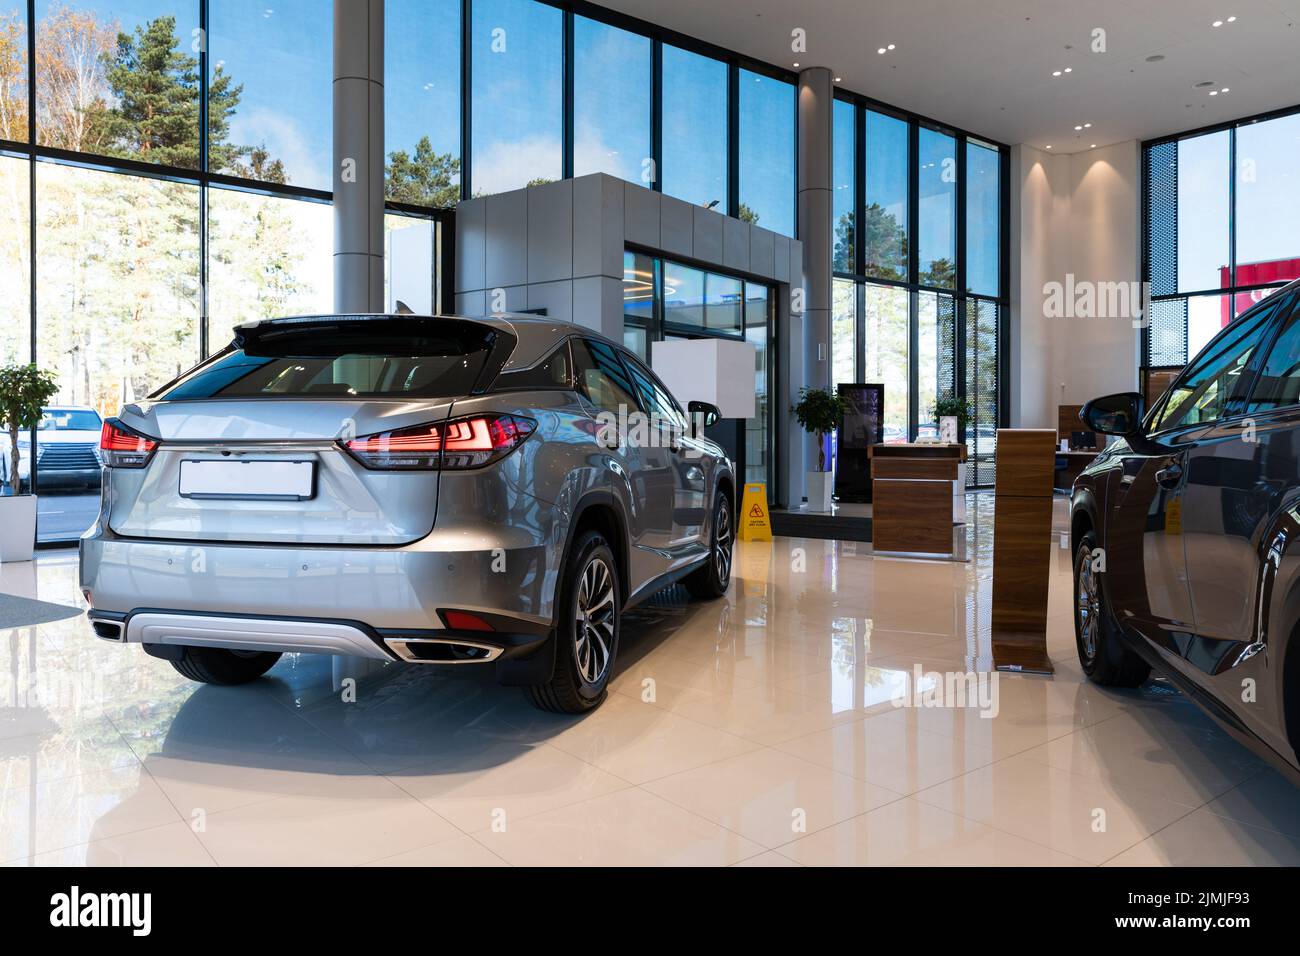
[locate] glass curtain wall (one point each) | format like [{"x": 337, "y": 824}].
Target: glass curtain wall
[
  {"x": 1218, "y": 236},
  {"x": 919, "y": 253},
  {"x": 667, "y": 300},
  {"x": 151, "y": 247}
]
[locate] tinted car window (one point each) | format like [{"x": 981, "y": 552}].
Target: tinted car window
[
  {"x": 550, "y": 372},
  {"x": 601, "y": 377},
  {"x": 1202, "y": 393},
  {"x": 345, "y": 358},
  {"x": 1278, "y": 383},
  {"x": 654, "y": 397}
]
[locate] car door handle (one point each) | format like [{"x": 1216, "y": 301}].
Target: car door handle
[{"x": 1169, "y": 477}]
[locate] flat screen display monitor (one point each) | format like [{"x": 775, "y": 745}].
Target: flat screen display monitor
[{"x": 862, "y": 426}]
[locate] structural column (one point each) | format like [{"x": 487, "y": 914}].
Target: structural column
[
  {"x": 359, "y": 155},
  {"x": 816, "y": 109}
]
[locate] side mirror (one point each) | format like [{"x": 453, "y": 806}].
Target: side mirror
[
  {"x": 703, "y": 414},
  {"x": 1119, "y": 414}
]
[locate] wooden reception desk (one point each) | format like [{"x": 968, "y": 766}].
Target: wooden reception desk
[{"x": 911, "y": 491}]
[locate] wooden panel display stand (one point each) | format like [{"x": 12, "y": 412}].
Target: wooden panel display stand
[
  {"x": 911, "y": 510},
  {"x": 1022, "y": 529}
]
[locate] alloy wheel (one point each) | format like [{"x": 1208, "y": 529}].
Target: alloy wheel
[
  {"x": 722, "y": 544},
  {"x": 593, "y": 633},
  {"x": 1087, "y": 602}
]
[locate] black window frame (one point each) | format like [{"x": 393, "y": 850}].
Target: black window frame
[{"x": 1145, "y": 364}]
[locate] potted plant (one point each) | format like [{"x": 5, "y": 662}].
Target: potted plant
[
  {"x": 818, "y": 412},
  {"x": 24, "y": 391},
  {"x": 957, "y": 408}
]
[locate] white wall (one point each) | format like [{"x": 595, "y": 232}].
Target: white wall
[{"x": 1071, "y": 215}]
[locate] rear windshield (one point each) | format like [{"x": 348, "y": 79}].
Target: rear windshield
[
  {"x": 412, "y": 358},
  {"x": 69, "y": 419}
]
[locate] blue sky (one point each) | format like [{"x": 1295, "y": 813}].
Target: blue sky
[{"x": 279, "y": 50}]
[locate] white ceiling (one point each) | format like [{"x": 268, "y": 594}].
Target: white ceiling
[{"x": 986, "y": 65}]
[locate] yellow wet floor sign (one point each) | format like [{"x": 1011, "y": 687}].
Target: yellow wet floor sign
[{"x": 755, "y": 525}]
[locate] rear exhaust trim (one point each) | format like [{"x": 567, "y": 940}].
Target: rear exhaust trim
[
  {"x": 442, "y": 650},
  {"x": 108, "y": 630}
]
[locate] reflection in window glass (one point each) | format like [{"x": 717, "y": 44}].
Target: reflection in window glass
[
  {"x": 422, "y": 102},
  {"x": 410, "y": 272},
  {"x": 983, "y": 219},
  {"x": 611, "y": 101},
  {"x": 1202, "y": 392},
  {"x": 757, "y": 443},
  {"x": 267, "y": 256},
  {"x": 15, "y": 261},
  {"x": 884, "y": 228},
  {"x": 844, "y": 332},
  {"x": 694, "y": 128},
  {"x": 886, "y": 352},
  {"x": 936, "y": 209},
  {"x": 683, "y": 295},
  {"x": 13, "y": 73},
  {"x": 722, "y": 303},
  {"x": 1268, "y": 201},
  {"x": 767, "y": 121},
  {"x": 136, "y": 98},
  {"x": 277, "y": 60},
  {"x": 843, "y": 197},
  {"x": 639, "y": 287},
  {"x": 517, "y": 102}
]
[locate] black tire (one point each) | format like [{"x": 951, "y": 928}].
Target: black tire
[
  {"x": 1103, "y": 655},
  {"x": 216, "y": 665},
  {"x": 580, "y": 679},
  {"x": 712, "y": 578}
]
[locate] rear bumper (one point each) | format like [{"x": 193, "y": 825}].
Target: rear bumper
[
  {"x": 160, "y": 629},
  {"x": 377, "y": 589}
]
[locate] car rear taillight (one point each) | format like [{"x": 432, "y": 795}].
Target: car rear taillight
[
  {"x": 460, "y": 443},
  {"x": 122, "y": 447}
]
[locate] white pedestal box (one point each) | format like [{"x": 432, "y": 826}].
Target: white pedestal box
[
  {"x": 717, "y": 371},
  {"x": 17, "y": 527},
  {"x": 819, "y": 490}
]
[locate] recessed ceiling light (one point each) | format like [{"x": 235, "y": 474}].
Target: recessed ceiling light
[
  {"x": 881, "y": 50},
  {"x": 1087, "y": 126},
  {"x": 796, "y": 64},
  {"x": 1217, "y": 23},
  {"x": 1093, "y": 146},
  {"x": 891, "y": 46},
  {"x": 1049, "y": 146},
  {"x": 1224, "y": 90},
  {"x": 1214, "y": 92},
  {"x": 1056, "y": 73},
  {"x": 837, "y": 79},
  {"x": 1069, "y": 69},
  {"x": 1232, "y": 19},
  {"x": 1077, "y": 128}
]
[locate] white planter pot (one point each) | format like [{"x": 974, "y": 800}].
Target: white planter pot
[
  {"x": 819, "y": 490},
  {"x": 17, "y": 527}
]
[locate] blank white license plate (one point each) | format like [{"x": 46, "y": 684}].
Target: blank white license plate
[{"x": 282, "y": 480}]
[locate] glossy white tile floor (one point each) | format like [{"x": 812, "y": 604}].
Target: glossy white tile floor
[{"x": 758, "y": 730}]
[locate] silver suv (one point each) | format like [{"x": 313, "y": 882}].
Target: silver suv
[{"x": 433, "y": 490}]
